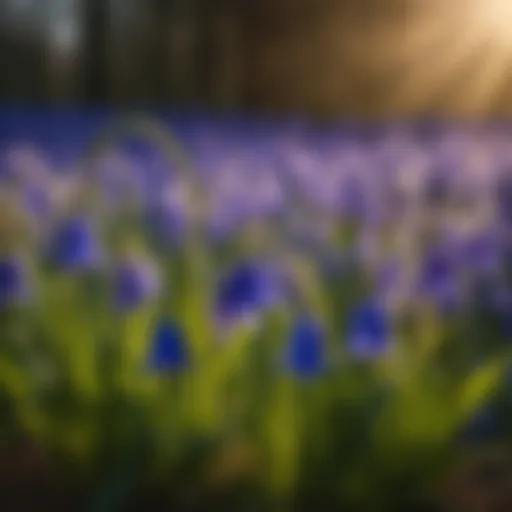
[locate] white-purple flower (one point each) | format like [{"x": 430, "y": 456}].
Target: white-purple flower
[
  {"x": 74, "y": 245},
  {"x": 135, "y": 282}
]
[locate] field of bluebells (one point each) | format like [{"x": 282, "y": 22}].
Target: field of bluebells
[{"x": 252, "y": 316}]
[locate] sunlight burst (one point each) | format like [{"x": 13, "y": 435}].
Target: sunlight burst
[{"x": 494, "y": 17}]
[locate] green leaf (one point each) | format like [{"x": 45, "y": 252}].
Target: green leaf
[
  {"x": 282, "y": 437},
  {"x": 480, "y": 386},
  {"x": 73, "y": 334},
  {"x": 14, "y": 380},
  {"x": 308, "y": 282},
  {"x": 135, "y": 338}
]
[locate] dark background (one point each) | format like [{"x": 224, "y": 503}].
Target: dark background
[{"x": 381, "y": 58}]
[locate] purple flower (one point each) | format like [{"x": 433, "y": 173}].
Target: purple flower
[
  {"x": 369, "y": 331},
  {"x": 482, "y": 253},
  {"x": 37, "y": 201},
  {"x": 437, "y": 186},
  {"x": 246, "y": 289},
  {"x": 121, "y": 184},
  {"x": 169, "y": 212},
  {"x": 135, "y": 282},
  {"x": 438, "y": 280},
  {"x": 305, "y": 355},
  {"x": 169, "y": 351},
  {"x": 503, "y": 196},
  {"x": 13, "y": 282},
  {"x": 353, "y": 198},
  {"x": 74, "y": 245},
  {"x": 388, "y": 277},
  {"x": 164, "y": 225}
]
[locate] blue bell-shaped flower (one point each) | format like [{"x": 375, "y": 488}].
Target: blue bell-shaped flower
[
  {"x": 13, "y": 282},
  {"x": 246, "y": 289},
  {"x": 438, "y": 280},
  {"x": 37, "y": 200},
  {"x": 169, "y": 212},
  {"x": 482, "y": 253},
  {"x": 135, "y": 282},
  {"x": 369, "y": 331},
  {"x": 169, "y": 352},
  {"x": 74, "y": 245},
  {"x": 305, "y": 355}
]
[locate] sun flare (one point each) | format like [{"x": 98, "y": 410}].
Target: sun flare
[{"x": 494, "y": 16}]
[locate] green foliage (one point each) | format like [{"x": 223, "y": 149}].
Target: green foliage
[
  {"x": 366, "y": 434},
  {"x": 79, "y": 386}
]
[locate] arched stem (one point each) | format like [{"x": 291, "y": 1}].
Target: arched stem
[{"x": 164, "y": 140}]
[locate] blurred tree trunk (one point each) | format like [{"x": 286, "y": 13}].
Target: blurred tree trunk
[
  {"x": 128, "y": 26},
  {"x": 224, "y": 56},
  {"x": 153, "y": 51},
  {"x": 373, "y": 58},
  {"x": 64, "y": 46},
  {"x": 179, "y": 59},
  {"x": 22, "y": 75},
  {"x": 96, "y": 39}
]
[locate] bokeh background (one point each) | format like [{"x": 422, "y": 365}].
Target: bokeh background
[
  {"x": 211, "y": 300},
  {"x": 326, "y": 57}
]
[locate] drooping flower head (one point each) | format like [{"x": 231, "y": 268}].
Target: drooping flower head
[
  {"x": 135, "y": 282},
  {"x": 38, "y": 201},
  {"x": 170, "y": 211},
  {"x": 305, "y": 354},
  {"x": 247, "y": 289},
  {"x": 13, "y": 281},
  {"x": 481, "y": 253},
  {"x": 369, "y": 331},
  {"x": 168, "y": 350},
  {"x": 438, "y": 280},
  {"x": 74, "y": 245}
]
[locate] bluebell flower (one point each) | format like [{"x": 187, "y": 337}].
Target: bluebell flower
[
  {"x": 438, "y": 280},
  {"x": 168, "y": 213},
  {"x": 369, "y": 331},
  {"x": 246, "y": 289},
  {"x": 38, "y": 201},
  {"x": 74, "y": 245},
  {"x": 503, "y": 196},
  {"x": 353, "y": 198},
  {"x": 169, "y": 351},
  {"x": 135, "y": 282},
  {"x": 13, "y": 282},
  {"x": 305, "y": 354},
  {"x": 482, "y": 253}
]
